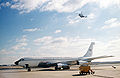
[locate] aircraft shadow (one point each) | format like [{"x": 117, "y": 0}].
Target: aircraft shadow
[
  {"x": 98, "y": 69},
  {"x": 79, "y": 75},
  {"x": 56, "y": 70},
  {"x": 102, "y": 76},
  {"x": 46, "y": 70}
]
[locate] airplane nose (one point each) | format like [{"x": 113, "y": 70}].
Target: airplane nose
[{"x": 16, "y": 62}]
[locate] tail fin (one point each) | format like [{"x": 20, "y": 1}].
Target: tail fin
[{"x": 90, "y": 50}]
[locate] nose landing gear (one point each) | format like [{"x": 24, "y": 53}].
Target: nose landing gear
[{"x": 27, "y": 67}]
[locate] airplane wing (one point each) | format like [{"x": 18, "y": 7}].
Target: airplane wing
[{"x": 89, "y": 59}]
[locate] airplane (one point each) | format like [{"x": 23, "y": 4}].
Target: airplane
[
  {"x": 58, "y": 62},
  {"x": 82, "y": 16}
]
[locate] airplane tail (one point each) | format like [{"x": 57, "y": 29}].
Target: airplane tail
[{"x": 90, "y": 50}]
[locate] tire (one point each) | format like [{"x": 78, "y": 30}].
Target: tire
[
  {"x": 56, "y": 68},
  {"x": 89, "y": 73},
  {"x": 29, "y": 69}
]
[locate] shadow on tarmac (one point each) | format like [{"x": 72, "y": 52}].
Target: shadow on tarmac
[
  {"x": 79, "y": 75},
  {"x": 46, "y": 70},
  {"x": 102, "y": 76},
  {"x": 93, "y": 75},
  {"x": 56, "y": 70}
]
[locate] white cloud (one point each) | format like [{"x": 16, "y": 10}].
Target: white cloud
[
  {"x": 76, "y": 47},
  {"x": 23, "y": 39},
  {"x": 57, "y": 5},
  {"x": 19, "y": 46},
  {"x": 58, "y": 31},
  {"x": 8, "y": 60},
  {"x": 89, "y": 27},
  {"x": 21, "y": 43},
  {"x": 6, "y": 4},
  {"x": 112, "y": 23},
  {"x": 32, "y": 29},
  {"x": 61, "y": 46},
  {"x": 107, "y": 3},
  {"x": 4, "y": 51},
  {"x": 109, "y": 48},
  {"x": 72, "y": 20},
  {"x": 25, "y": 6},
  {"x": 68, "y": 46},
  {"x": 112, "y": 20},
  {"x": 91, "y": 16},
  {"x": 45, "y": 39}
]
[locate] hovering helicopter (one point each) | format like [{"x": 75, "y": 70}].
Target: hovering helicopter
[{"x": 82, "y": 16}]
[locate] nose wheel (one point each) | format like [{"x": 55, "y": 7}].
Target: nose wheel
[{"x": 27, "y": 67}]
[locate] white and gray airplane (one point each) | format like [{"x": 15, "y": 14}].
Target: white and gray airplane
[{"x": 58, "y": 62}]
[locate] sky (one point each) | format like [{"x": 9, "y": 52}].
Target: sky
[{"x": 52, "y": 28}]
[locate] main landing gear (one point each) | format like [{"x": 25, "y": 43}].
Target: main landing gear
[{"x": 62, "y": 67}]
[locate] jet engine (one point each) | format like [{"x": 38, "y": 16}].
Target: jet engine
[
  {"x": 62, "y": 66},
  {"x": 84, "y": 62}
]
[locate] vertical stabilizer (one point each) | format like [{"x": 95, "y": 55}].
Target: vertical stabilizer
[{"x": 90, "y": 50}]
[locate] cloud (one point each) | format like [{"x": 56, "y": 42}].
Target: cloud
[
  {"x": 43, "y": 40},
  {"x": 75, "y": 47},
  {"x": 49, "y": 46},
  {"x": 21, "y": 43},
  {"x": 61, "y": 46},
  {"x": 23, "y": 39},
  {"x": 112, "y": 20},
  {"x": 6, "y": 4},
  {"x": 46, "y": 40},
  {"x": 89, "y": 27},
  {"x": 7, "y": 60},
  {"x": 25, "y": 6},
  {"x": 58, "y": 31},
  {"x": 19, "y": 46},
  {"x": 108, "y": 48},
  {"x": 111, "y": 23},
  {"x": 4, "y": 51},
  {"x": 32, "y": 29},
  {"x": 107, "y": 3},
  {"x": 72, "y": 20},
  {"x": 91, "y": 16}
]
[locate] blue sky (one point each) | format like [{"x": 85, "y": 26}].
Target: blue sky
[{"x": 47, "y": 28}]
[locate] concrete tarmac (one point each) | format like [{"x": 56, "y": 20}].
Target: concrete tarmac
[{"x": 100, "y": 72}]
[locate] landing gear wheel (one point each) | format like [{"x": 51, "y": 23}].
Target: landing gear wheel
[
  {"x": 29, "y": 69},
  {"x": 56, "y": 67},
  {"x": 89, "y": 73}
]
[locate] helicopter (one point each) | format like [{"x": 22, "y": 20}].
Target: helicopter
[{"x": 82, "y": 16}]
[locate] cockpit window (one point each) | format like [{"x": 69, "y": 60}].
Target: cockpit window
[{"x": 21, "y": 59}]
